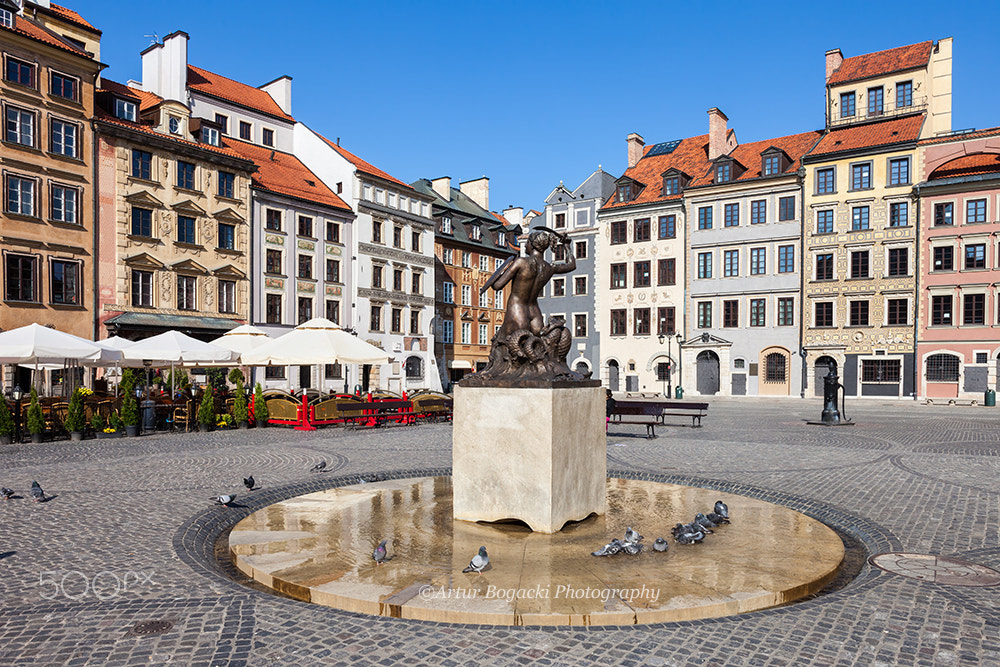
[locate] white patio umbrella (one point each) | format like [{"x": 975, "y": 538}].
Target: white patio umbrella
[
  {"x": 174, "y": 348},
  {"x": 115, "y": 343},
  {"x": 243, "y": 339},
  {"x": 318, "y": 341},
  {"x": 41, "y": 347}
]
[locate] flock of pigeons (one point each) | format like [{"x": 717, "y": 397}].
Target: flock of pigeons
[
  {"x": 689, "y": 533},
  {"x": 36, "y": 493}
]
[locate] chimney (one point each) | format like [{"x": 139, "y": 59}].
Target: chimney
[
  {"x": 833, "y": 59},
  {"x": 514, "y": 215},
  {"x": 635, "y": 145},
  {"x": 280, "y": 91},
  {"x": 164, "y": 67},
  {"x": 717, "y": 131},
  {"x": 478, "y": 191},
  {"x": 442, "y": 186}
]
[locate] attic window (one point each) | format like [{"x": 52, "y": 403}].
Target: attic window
[
  {"x": 772, "y": 165},
  {"x": 209, "y": 135},
  {"x": 723, "y": 172},
  {"x": 475, "y": 233},
  {"x": 625, "y": 192},
  {"x": 124, "y": 109},
  {"x": 6, "y": 18},
  {"x": 446, "y": 225},
  {"x": 671, "y": 185}
]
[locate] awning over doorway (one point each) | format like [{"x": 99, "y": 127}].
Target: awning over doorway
[{"x": 154, "y": 323}]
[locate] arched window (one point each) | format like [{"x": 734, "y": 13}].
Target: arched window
[
  {"x": 942, "y": 368},
  {"x": 775, "y": 367}
]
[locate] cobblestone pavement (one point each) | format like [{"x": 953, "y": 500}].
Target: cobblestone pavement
[{"x": 128, "y": 538}]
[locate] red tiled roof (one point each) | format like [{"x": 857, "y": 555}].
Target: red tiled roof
[
  {"x": 881, "y": 63},
  {"x": 967, "y": 165},
  {"x": 869, "y": 135},
  {"x": 749, "y": 155},
  {"x": 690, "y": 157},
  {"x": 146, "y": 99},
  {"x": 284, "y": 174},
  {"x": 219, "y": 86},
  {"x": 72, "y": 17},
  {"x": 961, "y": 136},
  {"x": 363, "y": 166},
  {"x": 29, "y": 28}
]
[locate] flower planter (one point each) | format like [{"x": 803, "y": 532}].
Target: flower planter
[
  {"x": 36, "y": 438},
  {"x": 76, "y": 436},
  {"x": 132, "y": 431},
  {"x": 244, "y": 426}
]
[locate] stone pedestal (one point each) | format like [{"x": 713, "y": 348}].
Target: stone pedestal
[{"x": 537, "y": 454}]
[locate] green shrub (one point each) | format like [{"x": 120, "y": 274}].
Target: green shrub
[
  {"x": 130, "y": 405},
  {"x": 75, "y": 417},
  {"x": 217, "y": 378},
  {"x": 6, "y": 419},
  {"x": 115, "y": 422},
  {"x": 260, "y": 414},
  {"x": 240, "y": 412},
  {"x": 206, "y": 412},
  {"x": 36, "y": 420},
  {"x": 97, "y": 422},
  {"x": 179, "y": 378},
  {"x": 236, "y": 376}
]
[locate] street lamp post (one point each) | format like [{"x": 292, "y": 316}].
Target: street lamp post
[
  {"x": 16, "y": 394},
  {"x": 680, "y": 365}
]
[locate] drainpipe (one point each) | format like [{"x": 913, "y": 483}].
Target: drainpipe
[
  {"x": 95, "y": 255},
  {"x": 916, "y": 296},
  {"x": 802, "y": 281}
]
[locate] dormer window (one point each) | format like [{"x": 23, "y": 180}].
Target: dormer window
[
  {"x": 625, "y": 192},
  {"x": 723, "y": 172},
  {"x": 772, "y": 165},
  {"x": 475, "y": 233},
  {"x": 671, "y": 185},
  {"x": 6, "y": 18},
  {"x": 446, "y": 225},
  {"x": 209, "y": 135},
  {"x": 125, "y": 109}
]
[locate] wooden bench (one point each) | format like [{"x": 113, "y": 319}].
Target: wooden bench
[
  {"x": 376, "y": 413},
  {"x": 650, "y": 413},
  {"x": 685, "y": 409},
  {"x": 432, "y": 406}
]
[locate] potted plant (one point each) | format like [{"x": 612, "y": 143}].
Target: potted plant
[
  {"x": 75, "y": 418},
  {"x": 260, "y": 414},
  {"x": 97, "y": 423},
  {"x": 36, "y": 420},
  {"x": 6, "y": 423},
  {"x": 240, "y": 413},
  {"x": 115, "y": 426},
  {"x": 223, "y": 421},
  {"x": 206, "y": 412}
]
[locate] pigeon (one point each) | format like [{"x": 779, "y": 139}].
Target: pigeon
[
  {"x": 6, "y": 493},
  {"x": 677, "y": 530},
  {"x": 691, "y": 537},
  {"x": 717, "y": 518},
  {"x": 380, "y": 554},
  {"x": 36, "y": 493},
  {"x": 703, "y": 521},
  {"x": 319, "y": 467},
  {"x": 721, "y": 509},
  {"x": 631, "y": 548},
  {"x": 249, "y": 482},
  {"x": 632, "y": 536},
  {"x": 224, "y": 500},
  {"x": 609, "y": 549},
  {"x": 660, "y": 544},
  {"x": 478, "y": 562}
]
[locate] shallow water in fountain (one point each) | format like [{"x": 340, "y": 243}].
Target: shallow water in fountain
[{"x": 318, "y": 547}]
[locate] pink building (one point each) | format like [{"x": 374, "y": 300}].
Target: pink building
[{"x": 958, "y": 327}]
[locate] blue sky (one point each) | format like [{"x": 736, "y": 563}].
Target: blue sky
[{"x": 534, "y": 93}]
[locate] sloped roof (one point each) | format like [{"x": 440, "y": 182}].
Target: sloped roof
[
  {"x": 145, "y": 98},
  {"x": 37, "y": 32},
  {"x": 690, "y": 156},
  {"x": 961, "y": 136},
  {"x": 967, "y": 165},
  {"x": 72, "y": 17},
  {"x": 881, "y": 63},
  {"x": 869, "y": 135},
  {"x": 225, "y": 88},
  {"x": 284, "y": 174},
  {"x": 749, "y": 155},
  {"x": 463, "y": 210},
  {"x": 362, "y": 166}
]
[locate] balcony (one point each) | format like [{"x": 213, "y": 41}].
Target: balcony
[{"x": 889, "y": 110}]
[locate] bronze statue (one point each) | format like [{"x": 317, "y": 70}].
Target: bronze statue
[{"x": 525, "y": 347}]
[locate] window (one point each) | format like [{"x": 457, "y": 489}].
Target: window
[
  {"x": 899, "y": 214},
  {"x": 446, "y": 226},
  {"x": 415, "y": 280},
  {"x": 758, "y": 212},
  {"x": 185, "y": 175},
  {"x": 625, "y": 192},
  {"x": 580, "y": 325},
  {"x": 772, "y": 165},
  {"x": 824, "y": 266},
  {"x": 6, "y": 18},
  {"x": 732, "y": 215},
  {"x": 466, "y": 260},
  {"x": 942, "y": 368},
  {"x": 62, "y": 138},
  {"x": 665, "y": 322},
  {"x": 142, "y": 222},
  {"x": 786, "y": 208},
  {"x": 142, "y": 164},
  {"x": 847, "y": 108},
  {"x": 723, "y": 172},
  {"x": 21, "y": 278},
  {"x": 730, "y": 313},
  {"x": 484, "y": 335},
  {"x": 975, "y": 210},
  {"x": 376, "y": 231},
  {"x": 246, "y": 131},
  {"x": 336, "y": 371},
  {"x": 579, "y": 250},
  {"x": 899, "y": 264},
  {"x": 668, "y": 226},
  {"x": 227, "y": 296},
  {"x": 209, "y": 135},
  {"x": 859, "y": 313},
  {"x": 758, "y": 261},
  {"x": 274, "y": 372},
  {"x": 558, "y": 287},
  {"x": 305, "y": 226},
  {"x": 904, "y": 94},
  {"x": 63, "y": 204},
  {"x": 786, "y": 259},
  {"x": 618, "y": 322},
  {"x": 142, "y": 288},
  {"x": 466, "y": 333},
  {"x": 975, "y": 256},
  {"x": 974, "y": 309},
  {"x": 333, "y": 270},
  {"x": 944, "y": 214},
  {"x": 497, "y": 263},
  {"x": 305, "y": 309},
  {"x": 580, "y": 285},
  {"x": 666, "y": 271},
  {"x": 484, "y": 297},
  {"x": 448, "y": 256},
  {"x": 273, "y": 308},
  {"x": 786, "y": 311},
  {"x": 824, "y": 222},
  {"x": 704, "y": 265},
  {"x": 448, "y": 331},
  {"x": 65, "y": 283},
  {"x": 415, "y": 242},
  {"x": 861, "y": 176},
  {"x": 186, "y": 293},
  {"x": 859, "y": 264},
  {"x": 475, "y": 233},
  {"x": 560, "y": 220},
  {"x": 704, "y": 314},
  {"x": 223, "y": 122},
  {"x": 397, "y": 280},
  {"x": 377, "y": 271},
  {"x": 731, "y": 263},
  {"x": 185, "y": 229},
  {"x": 396, "y": 320},
  {"x": 125, "y": 109},
  {"x": 559, "y": 253},
  {"x": 875, "y": 101},
  {"x": 174, "y": 125},
  {"x": 20, "y": 126},
  {"x": 21, "y": 72},
  {"x": 897, "y": 312},
  {"x": 414, "y": 322},
  {"x": 375, "y": 321},
  {"x": 305, "y": 266},
  {"x": 705, "y": 217},
  {"x": 267, "y": 137},
  {"x": 758, "y": 312},
  {"x": 941, "y": 310},
  {"x": 824, "y": 314},
  {"x": 618, "y": 232},
  {"x": 618, "y": 276},
  {"x": 227, "y": 184},
  {"x": 859, "y": 219},
  {"x": 671, "y": 185},
  {"x": 273, "y": 261},
  {"x": 899, "y": 171},
  {"x": 466, "y": 295},
  {"x": 333, "y": 232},
  {"x": 825, "y": 181},
  {"x": 641, "y": 316},
  {"x": 775, "y": 367},
  {"x": 273, "y": 220},
  {"x": 449, "y": 292},
  {"x": 944, "y": 258},
  {"x": 641, "y": 230},
  {"x": 499, "y": 301},
  {"x": 642, "y": 275}
]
